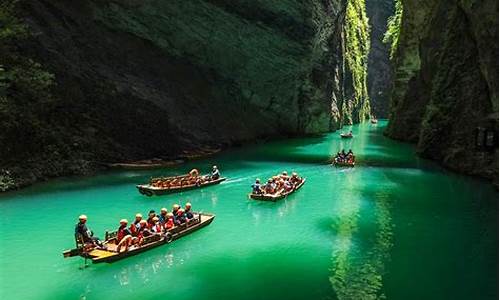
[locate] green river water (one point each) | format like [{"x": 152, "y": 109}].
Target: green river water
[{"x": 394, "y": 226}]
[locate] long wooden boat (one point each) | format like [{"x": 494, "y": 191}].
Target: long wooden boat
[
  {"x": 150, "y": 190},
  {"x": 346, "y": 136},
  {"x": 111, "y": 255},
  {"x": 276, "y": 197},
  {"x": 374, "y": 121}
]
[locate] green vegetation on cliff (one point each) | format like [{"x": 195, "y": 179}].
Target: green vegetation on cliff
[
  {"x": 25, "y": 95},
  {"x": 393, "y": 27},
  {"x": 357, "y": 48}
]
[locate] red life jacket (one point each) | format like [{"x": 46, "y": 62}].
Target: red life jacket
[
  {"x": 121, "y": 233},
  {"x": 169, "y": 224}
]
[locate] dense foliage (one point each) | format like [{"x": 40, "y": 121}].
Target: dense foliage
[
  {"x": 25, "y": 94},
  {"x": 393, "y": 25},
  {"x": 357, "y": 33}
]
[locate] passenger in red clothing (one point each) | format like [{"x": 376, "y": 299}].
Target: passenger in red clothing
[{"x": 124, "y": 236}]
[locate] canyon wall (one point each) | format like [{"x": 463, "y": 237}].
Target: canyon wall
[
  {"x": 445, "y": 90},
  {"x": 129, "y": 80},
  {"x": 379, "y": 79}
]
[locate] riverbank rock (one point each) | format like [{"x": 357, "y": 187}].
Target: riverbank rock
[{"x": 446, "y": 82}]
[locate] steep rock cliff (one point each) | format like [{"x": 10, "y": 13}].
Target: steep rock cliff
[
  {"x": 379, "y": 79},
  {"x": 446, "y": 82},
  {"x": 139, "y": 79}
]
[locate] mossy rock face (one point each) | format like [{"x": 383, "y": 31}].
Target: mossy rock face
[
  {"x": 141, "y": 79},
  {"x": 445, "y": 85}
]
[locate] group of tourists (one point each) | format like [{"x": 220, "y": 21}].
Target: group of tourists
[
  {"x": 282, "y": 183},
  {"x": 126, "y": 236},
  {"x": 193, "y": 178},
  {"x": 345, "y": 158}
]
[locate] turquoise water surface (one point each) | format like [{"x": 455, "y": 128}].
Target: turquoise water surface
[{"x": 394, "y": 226}]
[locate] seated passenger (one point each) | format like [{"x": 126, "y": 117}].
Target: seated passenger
[
  {"x": 143, "y": 231},
  {"x": 215, "y": 173},
  {"x": 194, "y": 173},
  {"x": 181, "y": 218},
  {"x": 86, "y": 234},
  {"x": 157, "y": 228},
  {"x": 151, "y": 215},
  {"x": 295, "y": 179},
  {"x": 288, "y": 186},
  {"x": 270, "y": 187},
  {"x": 187, "y": 211},
  {"x": 257, "y": 187},
  {"x": 284, "y": 175},
  {"x": 175, "y": 208},
  {"x": 134, "y": 227},
  {"x": 170, "y": 221},
  {"x": 163, "y": 215},
  {"x": 280, "y": 184},
  {"x": 123, "y": 236}
]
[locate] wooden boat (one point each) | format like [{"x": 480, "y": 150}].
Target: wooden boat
[
  {"x": 110, "y": 255},
  {"x": 274, "y": 198},
  {"x": 344, "y": 164},
  {"x": 374, "y": 121},
  {"x": 150, "y": 190},
  {"x": 346, "y": 135}
]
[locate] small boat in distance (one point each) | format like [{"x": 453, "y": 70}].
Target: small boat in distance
[
  {"x": 347, "y": 135},
  {"x": 110, "y": 254},
  {"x": 167, "y": 185},
  {"x": 342, "y": 159},
  {"x": 373, "y": 120}
]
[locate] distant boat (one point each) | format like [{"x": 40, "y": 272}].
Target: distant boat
[
  {"x": 275, "y": 197},
  {"x": 374, "y": 121},
  {"x": 346, "y": 135}
]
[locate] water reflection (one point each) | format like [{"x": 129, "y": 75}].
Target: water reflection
[
  {"x": 358, "y": 269},
  {"x": 149, "y": 269}
]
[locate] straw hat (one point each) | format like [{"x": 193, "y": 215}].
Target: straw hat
[
  {"x": 188, "y": 204},
  {"x": 155, "y": 219},
  {"x": 164, "y": 210},
  {"x": 82, "y": 217},
  {"x": 176, "y": 206},
  {"x": 123, "y": 221},
  {"x": 138, "y": 216}
]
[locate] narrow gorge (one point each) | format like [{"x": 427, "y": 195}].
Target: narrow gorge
[{"x": 96, "y": 82}]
